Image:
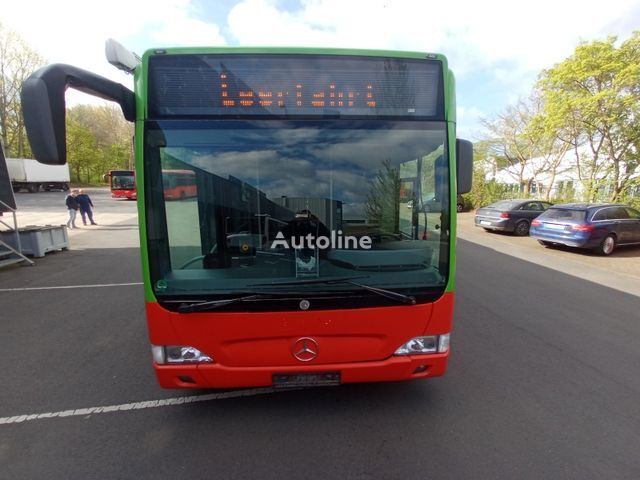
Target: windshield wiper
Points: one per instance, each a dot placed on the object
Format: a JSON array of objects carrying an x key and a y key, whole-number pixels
[
  {"x": 399, "y": 297},
  {"x": 211, "y": 305}
]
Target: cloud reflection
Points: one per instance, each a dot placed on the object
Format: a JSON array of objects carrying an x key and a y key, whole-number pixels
[{"x": 337, "y": 164}]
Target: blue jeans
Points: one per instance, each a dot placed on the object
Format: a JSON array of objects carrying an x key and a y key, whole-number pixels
[
  {"x": 72, "y": 218},
  {"x": 86, "y": 212}
]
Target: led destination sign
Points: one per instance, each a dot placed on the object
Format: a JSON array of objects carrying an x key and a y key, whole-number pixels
[{"x": 293, "y": 85}]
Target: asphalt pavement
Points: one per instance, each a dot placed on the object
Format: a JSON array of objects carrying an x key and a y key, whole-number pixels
[
  {"x": 542, "y": 381},
  {"x": 620, "y": 271}
]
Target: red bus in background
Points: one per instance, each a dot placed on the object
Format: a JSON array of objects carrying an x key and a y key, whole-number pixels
[
  {"x": 122, "y": 184},
  {"x": 177, "y": 184}
]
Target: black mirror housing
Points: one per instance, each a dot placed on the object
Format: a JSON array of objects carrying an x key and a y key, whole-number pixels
[
  {"x": 464, "y": 165},
  {"x": 43, "y": 106}
]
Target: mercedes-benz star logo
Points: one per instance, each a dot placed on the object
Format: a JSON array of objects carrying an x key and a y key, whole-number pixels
[{"x": 305, "y": 349}]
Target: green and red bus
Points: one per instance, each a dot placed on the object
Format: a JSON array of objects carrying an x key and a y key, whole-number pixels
[{"x": 319, "y": 246}]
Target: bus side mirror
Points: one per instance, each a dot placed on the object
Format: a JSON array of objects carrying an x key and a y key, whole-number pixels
[
  {"x": 44, "y": 116},
  {"x": 43, "y": 106},
  {"x": 464, "y": 165}
]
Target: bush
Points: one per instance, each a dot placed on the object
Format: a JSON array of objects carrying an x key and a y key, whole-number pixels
[
  {"x": 563, "y": 199},
  {"x": 632, "y": 201},
  {"x": 485, "y": 192}
]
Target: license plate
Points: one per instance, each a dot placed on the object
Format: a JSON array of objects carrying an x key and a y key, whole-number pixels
[
  {"x": 298, "y": 380},
  {"x": 484, "y": 222},
  {"x": 554, "y": 226}
]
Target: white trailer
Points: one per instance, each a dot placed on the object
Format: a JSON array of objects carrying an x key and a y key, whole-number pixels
[{"x": 33, "y": 175}]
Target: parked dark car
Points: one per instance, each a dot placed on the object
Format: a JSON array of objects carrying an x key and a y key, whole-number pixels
[
  {"x": 510, "y": 215},
  {"x": 595, "y": 226}
]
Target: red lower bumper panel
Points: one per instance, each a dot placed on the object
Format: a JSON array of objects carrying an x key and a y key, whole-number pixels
[{"x": 218, "y": 376}]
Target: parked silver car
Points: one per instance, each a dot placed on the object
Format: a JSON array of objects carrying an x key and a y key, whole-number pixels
[{"x": 510, "y": 215}]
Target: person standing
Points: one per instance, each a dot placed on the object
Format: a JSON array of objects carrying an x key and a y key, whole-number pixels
[
  {"x": 72, "y": 206},
  {"x": 86, "y": 207}
]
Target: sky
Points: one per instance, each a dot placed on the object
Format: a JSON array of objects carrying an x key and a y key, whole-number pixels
[{"x": 495, "y": 48}]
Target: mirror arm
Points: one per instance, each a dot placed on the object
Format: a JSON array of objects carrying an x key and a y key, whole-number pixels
[{"x": 43, "y": 106}]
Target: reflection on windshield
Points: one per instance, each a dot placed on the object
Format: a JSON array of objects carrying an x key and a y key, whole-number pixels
[{"x": 271, "y": 202}]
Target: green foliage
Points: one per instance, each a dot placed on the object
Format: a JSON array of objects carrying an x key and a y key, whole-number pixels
[
  {"x": 98, "y": 140},
  {"x": 587, "y": 106},
  {"x": 81, "y": 151},
  {"x": 566, "y": 194},
  {"x": 592, "y": 99},
  {"x": 17, "y": 62},
  {"x": 485, "y": 192},
  {"x": 632, "y": 201},
  {"x": 383, "y": 199},
  {"x": 631, "y": 195}
]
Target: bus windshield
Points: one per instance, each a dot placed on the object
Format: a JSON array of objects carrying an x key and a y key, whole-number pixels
[
  {"x": 122, "y": 180},
  {"x": 295, "y": 200}
]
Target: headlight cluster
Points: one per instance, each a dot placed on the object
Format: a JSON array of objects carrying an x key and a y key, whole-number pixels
[
  {"x": 176, "y": 354},
  {"x": 422, "y": 345}
]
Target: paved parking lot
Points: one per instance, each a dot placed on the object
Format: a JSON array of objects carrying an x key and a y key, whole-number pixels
[
  {"x": 542, "y": 381},
  {"x": 48, "y": 208},
  {"x": 621, "y": 270}
]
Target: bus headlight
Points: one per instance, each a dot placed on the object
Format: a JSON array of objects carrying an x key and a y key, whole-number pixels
[
  {"x": 443, "y": 343},
  {"x": 422, "y": 345},
  {"x": 172, "y": 354}
]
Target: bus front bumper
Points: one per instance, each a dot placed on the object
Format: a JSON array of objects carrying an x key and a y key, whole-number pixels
[{"x": 214, "y": 375}]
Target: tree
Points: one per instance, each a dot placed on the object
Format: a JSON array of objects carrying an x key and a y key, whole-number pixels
[
  {"x": 99, "y": 139},
  {"x": 82, "y": 150},
  {"x": 550, "y": 151},
  {"x": 383, "y": 199},
  {"x": 17, "y": 62},
  {"x": 483, "y": 191},
  {"x": 522, "y": 145},
  {"x": 592, "y": 99}
]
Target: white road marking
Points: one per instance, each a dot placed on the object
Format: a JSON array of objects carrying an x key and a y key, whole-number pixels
[
  {"x": 27, "y": 289},
  {"x": 165, "y": 402}
]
